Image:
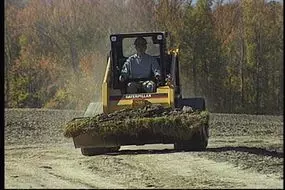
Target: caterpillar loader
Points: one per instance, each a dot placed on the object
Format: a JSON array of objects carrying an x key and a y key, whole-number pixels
[{"x": 114, "y": 97}]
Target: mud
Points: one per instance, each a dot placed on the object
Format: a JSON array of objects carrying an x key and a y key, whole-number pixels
[{"x": 244, "y": 152}]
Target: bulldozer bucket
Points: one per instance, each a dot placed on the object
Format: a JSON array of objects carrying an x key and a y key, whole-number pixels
[
  {"x": 88, "y": 140},
  {"x": 93, "y": 109}
]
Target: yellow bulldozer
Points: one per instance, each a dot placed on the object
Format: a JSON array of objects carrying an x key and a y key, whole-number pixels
[{"x": 168, "y": 93}]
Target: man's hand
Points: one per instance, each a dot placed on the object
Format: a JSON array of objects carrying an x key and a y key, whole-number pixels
[
  {"x": 157, "y": 77},
  {"x": 122, "y": 78}
]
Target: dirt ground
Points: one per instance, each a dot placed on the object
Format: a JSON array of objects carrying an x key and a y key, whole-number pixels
[{"x": 244, "y": 151}]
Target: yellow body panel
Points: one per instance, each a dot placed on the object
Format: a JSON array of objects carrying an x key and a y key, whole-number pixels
[{"x": 105, "y": 87}]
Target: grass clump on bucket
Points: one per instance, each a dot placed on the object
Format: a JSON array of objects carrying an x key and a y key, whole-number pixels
[{"x": 152, "y": 119}]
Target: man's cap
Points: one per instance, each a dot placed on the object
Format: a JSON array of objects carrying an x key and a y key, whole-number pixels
[{"x": 140, "y": 40}]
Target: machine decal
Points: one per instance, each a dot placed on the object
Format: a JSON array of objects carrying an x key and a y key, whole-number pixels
[
  {"x": 132, "y": 96},
  {"x": 138, "y": 96}
]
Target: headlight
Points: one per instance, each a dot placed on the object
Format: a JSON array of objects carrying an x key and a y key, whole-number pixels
[
  {"x": 159, "y": 37},
  {"x": 113, "y": 38}
]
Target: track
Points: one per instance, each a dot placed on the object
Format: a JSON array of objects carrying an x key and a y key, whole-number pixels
[{"x": 37, "y": 156}]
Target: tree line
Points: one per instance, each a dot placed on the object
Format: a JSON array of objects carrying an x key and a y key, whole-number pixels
[{"x": 231, "y": 52}]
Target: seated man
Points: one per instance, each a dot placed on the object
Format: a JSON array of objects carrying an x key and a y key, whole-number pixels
[{"x": 140, "y": 66}]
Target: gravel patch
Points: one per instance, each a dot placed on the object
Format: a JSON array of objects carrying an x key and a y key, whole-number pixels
[
  {"x": 246, "y": 141},
  {"x": 26, "y": 126},
  {"x": 242, "y": 125}
]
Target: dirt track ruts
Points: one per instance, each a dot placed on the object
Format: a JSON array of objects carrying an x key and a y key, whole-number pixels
[{"x": 244, "y": 151}]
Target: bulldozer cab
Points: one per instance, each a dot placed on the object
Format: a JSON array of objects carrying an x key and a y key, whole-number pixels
[{"x": 122, "y": 46}]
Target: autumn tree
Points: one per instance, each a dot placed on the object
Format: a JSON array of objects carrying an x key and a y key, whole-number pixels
[
  {"x": 201, "y": 57},
  {"x": 169, "y": 17},
  {"x": 231, "y": 52}
]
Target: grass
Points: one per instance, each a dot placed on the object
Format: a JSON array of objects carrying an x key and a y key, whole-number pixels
[{"x": 151, "y": 120}]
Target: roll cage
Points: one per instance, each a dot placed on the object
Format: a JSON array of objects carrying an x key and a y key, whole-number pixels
[{"x": 118, "y": 58}]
